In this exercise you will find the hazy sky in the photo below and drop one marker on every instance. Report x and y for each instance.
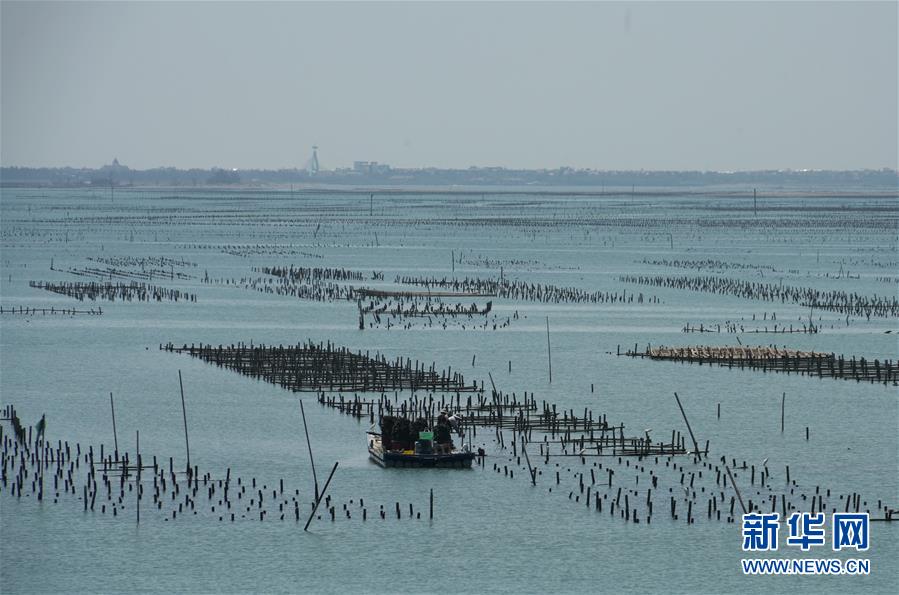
(710, 86)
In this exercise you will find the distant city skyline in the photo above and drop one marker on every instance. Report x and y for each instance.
(723, 86)
(370, 175)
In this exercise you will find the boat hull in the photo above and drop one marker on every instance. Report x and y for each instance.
(456, 460)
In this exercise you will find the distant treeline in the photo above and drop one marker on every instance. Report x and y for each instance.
(170, 176)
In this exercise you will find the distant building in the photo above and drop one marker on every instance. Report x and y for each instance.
(111, 174)
(223, 176)
(371, 167)
(312, 166)
(115, 168)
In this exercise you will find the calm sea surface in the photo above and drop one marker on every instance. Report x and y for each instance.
(491, 533)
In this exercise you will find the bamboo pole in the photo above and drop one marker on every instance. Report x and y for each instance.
(733, 483)
(138, 477)
(549, 355)
(115, 435)
(309, 445)
(184, 415)
(320, 498)
(692, 437)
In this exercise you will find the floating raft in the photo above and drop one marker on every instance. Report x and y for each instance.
(706, 352)
(812, 363)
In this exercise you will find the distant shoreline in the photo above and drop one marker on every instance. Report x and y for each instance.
(284, 191)
(474, 180)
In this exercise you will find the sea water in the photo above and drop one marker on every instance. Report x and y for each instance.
(490, 533)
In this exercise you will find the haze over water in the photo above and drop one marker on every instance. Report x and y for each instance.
(576, 179)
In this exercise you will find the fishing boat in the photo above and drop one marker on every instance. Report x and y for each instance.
(423, 455)
(402, 443)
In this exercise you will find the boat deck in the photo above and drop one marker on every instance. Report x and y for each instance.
(396, 458)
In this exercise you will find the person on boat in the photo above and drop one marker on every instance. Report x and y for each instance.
(443, 437)
(455, 422)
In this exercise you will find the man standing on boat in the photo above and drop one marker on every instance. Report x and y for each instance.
(443, 434)
(455, 422)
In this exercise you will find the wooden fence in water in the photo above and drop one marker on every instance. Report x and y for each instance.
(324, 366)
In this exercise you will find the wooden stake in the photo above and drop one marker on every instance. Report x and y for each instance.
(783, 402)
(531, 470)
(309, 445)
(692, 437)
(733, 483)
(138, 477)
(321, 496)
(184, 414)
(115, 436)
(549, 355)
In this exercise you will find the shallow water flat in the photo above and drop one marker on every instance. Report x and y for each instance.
(490, 533)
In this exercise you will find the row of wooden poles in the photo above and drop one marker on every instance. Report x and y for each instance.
(249, 249)
(505, 412)
(600, 486)
(324, 366)
(708, 263)
(318, 291)
(723, 474)
(114, 273)
(142, 261)
(733, 328)
(119, 481)
(690, 478)
(32, 311)
(118, 470)
(309, 283)
(316, 274)
(427, 307)
(842, 302)
(822, 365)
(521, 290)
(122, 482)
(133, 291)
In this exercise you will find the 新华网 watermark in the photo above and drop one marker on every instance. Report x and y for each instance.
(806, 531)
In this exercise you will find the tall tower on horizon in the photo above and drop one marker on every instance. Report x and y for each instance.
(312, 164)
